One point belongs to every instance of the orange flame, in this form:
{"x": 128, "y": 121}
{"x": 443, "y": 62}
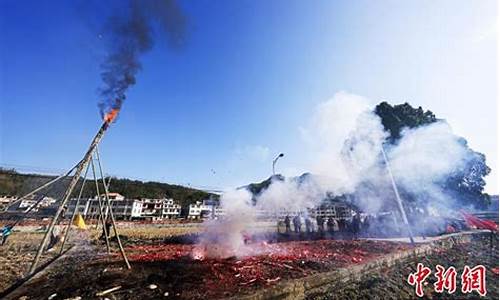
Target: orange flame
{"x": 110, "y": 116}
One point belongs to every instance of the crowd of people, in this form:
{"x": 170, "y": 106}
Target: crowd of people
{"x": 335, "y": 227}
{"x": 366, "y": 225}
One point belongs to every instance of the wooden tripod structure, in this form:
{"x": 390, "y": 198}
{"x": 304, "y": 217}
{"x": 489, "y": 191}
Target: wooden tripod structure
{"x": 86, "y": 163}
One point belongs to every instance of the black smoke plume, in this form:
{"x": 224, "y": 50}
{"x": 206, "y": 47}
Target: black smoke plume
{"x": 130, "y": 35}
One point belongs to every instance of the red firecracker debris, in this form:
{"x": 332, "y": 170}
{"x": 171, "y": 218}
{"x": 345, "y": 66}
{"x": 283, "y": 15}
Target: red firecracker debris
{"x": 272, "y": 263}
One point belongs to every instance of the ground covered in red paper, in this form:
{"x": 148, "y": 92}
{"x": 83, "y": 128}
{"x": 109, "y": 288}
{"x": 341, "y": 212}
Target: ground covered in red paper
{"x": 171, "y": 271}
{"x": 275, "y": 262}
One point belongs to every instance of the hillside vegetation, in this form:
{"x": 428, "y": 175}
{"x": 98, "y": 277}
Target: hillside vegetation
{"x": 18, "y": 184}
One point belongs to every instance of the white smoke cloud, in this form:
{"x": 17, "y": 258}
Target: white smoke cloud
{"x": 226, "y": 237}
{"x": 290, "y": 195}
{"x": 424, "y": 157}
{"x": 345, "y": 139}
{"x": 345, "y": 136}
{"x": 426, "y": 154}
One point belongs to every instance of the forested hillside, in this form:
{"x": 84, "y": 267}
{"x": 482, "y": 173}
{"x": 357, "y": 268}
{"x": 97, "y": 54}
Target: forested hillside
{"x": 14, "y": 183}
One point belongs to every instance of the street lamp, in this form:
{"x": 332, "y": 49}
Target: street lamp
{"x": 276, "y": 159}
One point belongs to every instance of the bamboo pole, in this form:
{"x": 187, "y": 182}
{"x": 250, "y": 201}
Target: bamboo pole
{"x": 106, "y": 212}
{"x": 79, "y": 168}
{"x": 68, "y": 228}
{"x": 109, "y": 182}
{"x": 398, "y": 197}
{"x": 97, "y": 215}
{"x": 101, "y": 215}
{"x": 106, "y": 194}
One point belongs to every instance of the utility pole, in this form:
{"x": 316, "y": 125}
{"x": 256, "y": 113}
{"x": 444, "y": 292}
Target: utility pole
{"x": 398, "y": 197}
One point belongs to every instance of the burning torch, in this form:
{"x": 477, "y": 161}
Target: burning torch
{"x": 108, "y": 119}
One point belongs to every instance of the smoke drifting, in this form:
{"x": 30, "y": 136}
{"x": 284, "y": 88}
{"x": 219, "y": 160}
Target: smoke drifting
{"x": 130, "y": 35}
{"x": 424, "y": 158}
{"x": 345, "y": 139}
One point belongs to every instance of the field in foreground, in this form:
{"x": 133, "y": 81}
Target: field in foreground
{"x": 162, "y": 270}
{"x": 17, "y": 254}
{"x": 390, "y": 282}
{"x": 159, "y": 270}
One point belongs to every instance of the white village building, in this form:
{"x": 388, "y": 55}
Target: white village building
{"x": 126, "y": 209}
{"x": 205, "y": 209}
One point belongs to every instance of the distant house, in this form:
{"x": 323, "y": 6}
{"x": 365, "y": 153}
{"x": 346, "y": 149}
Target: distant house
{"x": 152, "y": 209}
{"x": 126, "y": 209}
{"x": 113, "y": 196}
{"x": 196, "y": 209}
{"x": 171, "y": 209}
{"x": 123, "y": 209}
{"x": 205, "y": 209}
{"x": 6, "y": 200}
{"x": 31, "y": 202}
{"x": 337, "y": 211}
{"x": 159, "y": 209}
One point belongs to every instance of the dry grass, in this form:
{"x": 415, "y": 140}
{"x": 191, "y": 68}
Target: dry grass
{"x": 17, "y": 255}
{"x": 157, "y": 232}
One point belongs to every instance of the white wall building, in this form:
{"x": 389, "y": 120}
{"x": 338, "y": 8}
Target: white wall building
{"x": 159, "y": 209}
{"x": 32, "y": 201}
{"x": 171, "y": 209}
{"x": 152, "y": 209}
{"x": 123, "y": 209}
{"x": 113, "y": 196}
{"x": 6, "y": 200}
{"x": 205, "y": 209}
{"x": 198, "y": 210}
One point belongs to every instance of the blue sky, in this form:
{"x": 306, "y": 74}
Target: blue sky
{"x": 251, "y": 73}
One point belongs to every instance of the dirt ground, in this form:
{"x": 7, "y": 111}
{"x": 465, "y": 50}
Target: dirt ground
{"x": 390, "y": 283}
{"x": 18, "y": 253}
{"x": 162, "y": 268}
{"x": 16, "y": 257}
{"x": 170, "y": 269}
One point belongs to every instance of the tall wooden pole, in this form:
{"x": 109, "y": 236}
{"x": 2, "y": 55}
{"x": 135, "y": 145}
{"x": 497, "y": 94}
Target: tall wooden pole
{"x": 106, "y": 194}
{"x": 398, "y": 198}
{"x": 101, "y": 213}
{"x": 68, "y": 228}
{"x": 79, "y": 168}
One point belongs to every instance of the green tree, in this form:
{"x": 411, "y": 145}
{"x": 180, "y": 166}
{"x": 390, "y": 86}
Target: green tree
{"x": 465, "y": 185}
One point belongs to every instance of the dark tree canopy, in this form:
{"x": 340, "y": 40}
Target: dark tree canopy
{"x": 395, "y": 118}
{"x": 465, "y": 185}
{"x": 468, "y": 183}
